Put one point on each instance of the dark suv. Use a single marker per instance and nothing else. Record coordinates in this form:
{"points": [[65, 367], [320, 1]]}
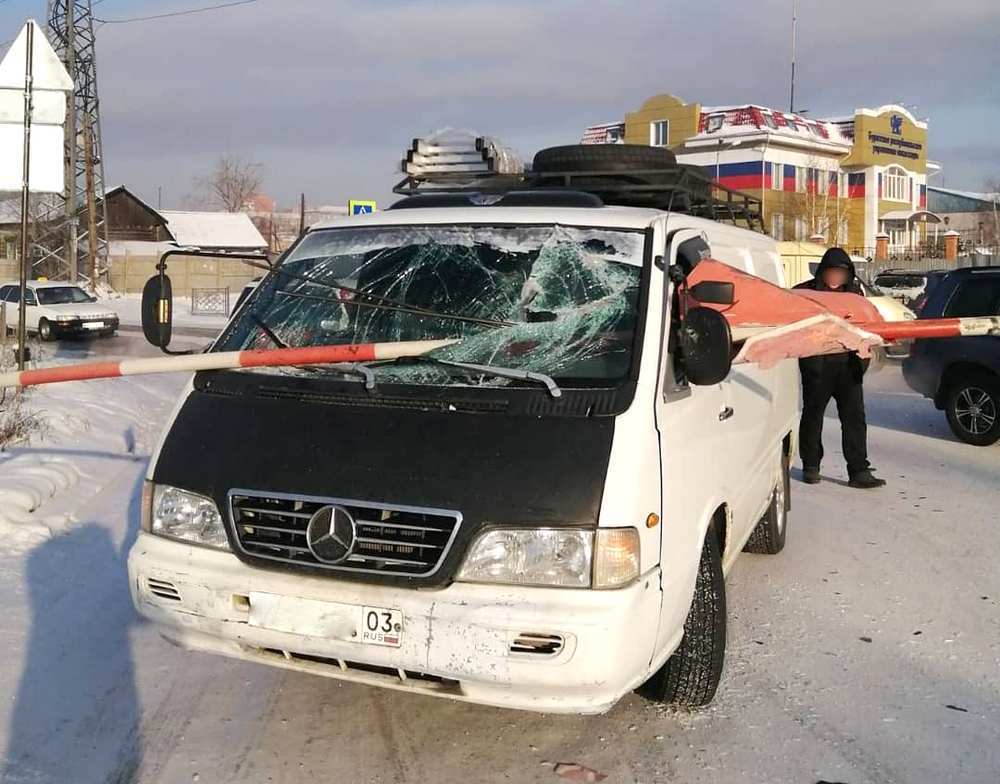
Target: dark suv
{"points": [[962, 375]]}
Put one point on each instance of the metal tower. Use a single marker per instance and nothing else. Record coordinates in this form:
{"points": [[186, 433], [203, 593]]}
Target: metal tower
{"points": [[72, 236]]}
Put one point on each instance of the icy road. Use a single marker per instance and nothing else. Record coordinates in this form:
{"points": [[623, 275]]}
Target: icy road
{"points": [[867, 652]]}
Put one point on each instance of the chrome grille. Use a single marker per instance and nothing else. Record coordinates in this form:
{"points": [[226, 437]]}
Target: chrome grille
{"points": [[390, 540]]}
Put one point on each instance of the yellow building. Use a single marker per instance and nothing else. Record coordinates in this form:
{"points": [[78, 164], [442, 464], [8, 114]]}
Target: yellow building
{"points": [[843, 179]]}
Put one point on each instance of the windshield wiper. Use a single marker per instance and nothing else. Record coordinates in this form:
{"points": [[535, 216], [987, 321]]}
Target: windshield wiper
{"points": [[492, 370]]}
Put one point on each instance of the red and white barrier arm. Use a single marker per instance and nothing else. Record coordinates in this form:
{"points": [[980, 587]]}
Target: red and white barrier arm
{"points": [[224, 360], [934, 328]]}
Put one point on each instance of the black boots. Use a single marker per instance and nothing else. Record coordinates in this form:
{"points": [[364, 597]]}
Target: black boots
{"points": [[865, 480]]}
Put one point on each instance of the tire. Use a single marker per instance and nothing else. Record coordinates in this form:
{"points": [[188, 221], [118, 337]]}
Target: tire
{"points": [[972, 406], [622, 158], [691, 676], [769, 535], [45, 331]]}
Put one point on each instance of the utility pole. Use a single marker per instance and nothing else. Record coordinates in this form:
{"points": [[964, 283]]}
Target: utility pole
{"points": [[302, 214], [22, 331], [791, 98], [69, 59]]}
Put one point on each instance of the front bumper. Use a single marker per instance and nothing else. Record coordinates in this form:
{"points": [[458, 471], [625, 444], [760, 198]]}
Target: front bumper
{"points": [[80, 327], [456, 642]]}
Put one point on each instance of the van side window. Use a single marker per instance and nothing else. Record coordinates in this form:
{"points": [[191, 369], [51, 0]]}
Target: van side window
{"points": [[976, 297]]}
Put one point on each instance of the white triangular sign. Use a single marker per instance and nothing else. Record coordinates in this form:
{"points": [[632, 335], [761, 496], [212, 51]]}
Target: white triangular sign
{"points": [[48, 71]]}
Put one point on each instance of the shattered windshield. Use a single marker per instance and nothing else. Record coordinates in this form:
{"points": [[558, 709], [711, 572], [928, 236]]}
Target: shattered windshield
{"points": [[549, 299]]}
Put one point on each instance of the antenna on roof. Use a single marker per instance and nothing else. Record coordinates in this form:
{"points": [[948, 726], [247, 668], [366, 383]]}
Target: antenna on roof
{"points": [[791, 98]]}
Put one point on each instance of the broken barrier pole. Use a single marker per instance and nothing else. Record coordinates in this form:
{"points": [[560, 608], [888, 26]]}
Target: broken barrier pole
{"points": [[224, 360]]}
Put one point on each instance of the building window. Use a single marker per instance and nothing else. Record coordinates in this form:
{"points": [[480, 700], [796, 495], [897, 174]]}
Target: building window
{"points": [[770, 122], [800, 228], [614, 135], [776, 179], [778, 226], [659, 132], [895, 185], [714, 123], [801, 177]]}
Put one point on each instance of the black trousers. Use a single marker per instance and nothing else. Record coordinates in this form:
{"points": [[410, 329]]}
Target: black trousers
{"points": [[840, 377]]}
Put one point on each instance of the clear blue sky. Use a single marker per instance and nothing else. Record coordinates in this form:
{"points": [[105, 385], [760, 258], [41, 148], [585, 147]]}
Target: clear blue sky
{"points": [[326, 94]]}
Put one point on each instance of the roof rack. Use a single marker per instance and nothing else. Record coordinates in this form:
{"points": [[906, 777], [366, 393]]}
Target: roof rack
{"points": [[675, 187]]}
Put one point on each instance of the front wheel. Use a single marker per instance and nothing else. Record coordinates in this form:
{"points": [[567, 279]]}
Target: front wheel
{"points": [[973, 409], [45, 331], [691, 676]]}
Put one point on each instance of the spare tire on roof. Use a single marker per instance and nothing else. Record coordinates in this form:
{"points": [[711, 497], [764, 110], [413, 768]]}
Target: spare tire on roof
{"points": [[602, 157]]}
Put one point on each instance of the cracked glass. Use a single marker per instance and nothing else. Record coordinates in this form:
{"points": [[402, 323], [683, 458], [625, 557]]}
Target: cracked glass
{"points": [[550, 299]]}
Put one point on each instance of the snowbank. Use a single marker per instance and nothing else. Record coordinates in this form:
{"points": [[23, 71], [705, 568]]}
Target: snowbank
{"points": [[85, 428]]}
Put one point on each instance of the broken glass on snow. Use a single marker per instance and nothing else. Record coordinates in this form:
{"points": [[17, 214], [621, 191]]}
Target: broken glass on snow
{"points": [[552, 299]]}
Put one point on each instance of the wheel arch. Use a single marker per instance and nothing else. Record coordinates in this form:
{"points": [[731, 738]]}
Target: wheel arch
{"points": [[956, 371]]}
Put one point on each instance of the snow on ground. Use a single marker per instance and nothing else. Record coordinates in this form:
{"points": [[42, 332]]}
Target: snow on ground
{"points": [[868, 652], [129, 310]]}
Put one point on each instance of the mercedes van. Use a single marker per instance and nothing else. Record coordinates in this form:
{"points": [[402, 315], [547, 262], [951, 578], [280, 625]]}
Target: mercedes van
{"points": [[539, 516]]}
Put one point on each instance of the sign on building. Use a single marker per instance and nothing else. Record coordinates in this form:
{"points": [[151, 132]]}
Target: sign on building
{"points": [[49, 85], [360, 207]]}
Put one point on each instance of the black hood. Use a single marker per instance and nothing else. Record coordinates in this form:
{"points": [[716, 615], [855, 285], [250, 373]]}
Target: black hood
{"points": [[836, 258], [495, 468]]}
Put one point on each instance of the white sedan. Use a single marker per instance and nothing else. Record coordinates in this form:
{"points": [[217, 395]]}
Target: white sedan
{"points": [[56, 310]]}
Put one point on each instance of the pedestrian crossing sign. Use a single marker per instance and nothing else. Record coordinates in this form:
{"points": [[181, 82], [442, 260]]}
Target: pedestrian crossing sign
{"points": [[360, 207]]}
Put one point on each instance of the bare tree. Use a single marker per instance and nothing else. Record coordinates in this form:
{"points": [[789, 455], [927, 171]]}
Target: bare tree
{"points": [[818, 209], [232, 182]]}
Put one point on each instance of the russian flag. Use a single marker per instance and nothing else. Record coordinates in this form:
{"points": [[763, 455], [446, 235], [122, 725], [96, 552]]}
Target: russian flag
{"points": [[789, 178], [856, 185], [923, 197], [741, 176]]}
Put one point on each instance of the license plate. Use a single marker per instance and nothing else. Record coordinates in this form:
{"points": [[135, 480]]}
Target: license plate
{"points": [[94, 326], [381, 626]]}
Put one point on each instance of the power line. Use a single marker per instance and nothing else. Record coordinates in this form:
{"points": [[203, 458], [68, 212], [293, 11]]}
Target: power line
{"points": [[175, 13]]}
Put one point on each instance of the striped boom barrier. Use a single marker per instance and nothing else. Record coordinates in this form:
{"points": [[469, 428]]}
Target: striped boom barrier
{"points": [[224, 360]]}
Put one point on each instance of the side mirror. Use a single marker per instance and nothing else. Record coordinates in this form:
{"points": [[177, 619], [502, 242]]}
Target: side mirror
{"points": [[157, 310], [714, 292], [706, 344], [91, 298]]}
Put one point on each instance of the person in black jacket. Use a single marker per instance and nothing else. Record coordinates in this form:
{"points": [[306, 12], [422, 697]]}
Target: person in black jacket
{"points": [[837, 376]]}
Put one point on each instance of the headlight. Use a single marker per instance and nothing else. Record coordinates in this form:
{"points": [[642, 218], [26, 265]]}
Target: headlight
{"points": [[177, 514], [64, 319], [567, 557]]}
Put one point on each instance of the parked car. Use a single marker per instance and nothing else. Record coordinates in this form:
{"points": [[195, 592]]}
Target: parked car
{"points": [[934, 277], [483, 523], [962, 375], [901, 284], [57, 310]]}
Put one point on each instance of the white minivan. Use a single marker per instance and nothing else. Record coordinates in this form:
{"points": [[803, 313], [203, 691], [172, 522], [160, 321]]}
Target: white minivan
{"points": [[539, 516]]}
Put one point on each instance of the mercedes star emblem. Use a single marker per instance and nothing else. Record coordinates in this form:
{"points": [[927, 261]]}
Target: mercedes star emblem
{"points": [[331, 534]]}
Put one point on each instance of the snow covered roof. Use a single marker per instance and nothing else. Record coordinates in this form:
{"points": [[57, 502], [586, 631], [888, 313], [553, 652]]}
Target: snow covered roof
{"points": [[604, 133], [728, 122], [232, 230], [977, 195]]}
